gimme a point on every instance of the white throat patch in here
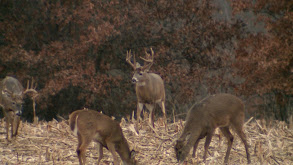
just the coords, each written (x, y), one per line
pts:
(140, 84)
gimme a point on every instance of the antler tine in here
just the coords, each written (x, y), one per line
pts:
(34, 84)
(149, 58)
(27, 84)
(134, 61)
(128, 59)
(30, 87)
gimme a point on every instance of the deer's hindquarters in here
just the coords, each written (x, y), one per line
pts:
(83, 140)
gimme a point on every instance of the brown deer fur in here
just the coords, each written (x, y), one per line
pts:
(90, 125)
(149, 87)
(220, 110)
(11, 100)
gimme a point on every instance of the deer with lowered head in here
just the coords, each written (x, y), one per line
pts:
(149, 87)
(217, 111)
(90, 125)
(11, 100)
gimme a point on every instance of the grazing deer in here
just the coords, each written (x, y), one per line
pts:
(149, 86)
(220, 110)
(11, 100)
(90, 125)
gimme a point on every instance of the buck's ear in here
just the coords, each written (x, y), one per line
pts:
(7, 93)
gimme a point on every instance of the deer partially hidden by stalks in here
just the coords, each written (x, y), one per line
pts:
(11, 100)
(149, 87)
(89, 125)
(220, 110)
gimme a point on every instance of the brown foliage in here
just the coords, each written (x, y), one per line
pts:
(201, 47)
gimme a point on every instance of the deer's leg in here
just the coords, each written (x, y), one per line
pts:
(15, 125)
(100, 152)
(83, 143)
(195, 146)
(238, 127)
(150, 107)
(229, 136)
(162, 106)
(78, 148)
(11, 129)
(240, 133)
(139, 109)
(207, 144)
(111, 147)
(9, 117)
(7, 128)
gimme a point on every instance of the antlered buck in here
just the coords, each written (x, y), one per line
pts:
(11, 100)
(90, 125)
(220, 110)
(149, 87)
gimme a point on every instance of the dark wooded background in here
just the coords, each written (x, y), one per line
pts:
(75, 51)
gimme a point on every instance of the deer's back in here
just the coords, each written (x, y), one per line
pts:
(96, 124)
(218, 110)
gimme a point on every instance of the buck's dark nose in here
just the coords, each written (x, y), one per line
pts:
(134, 80)
(19, 111)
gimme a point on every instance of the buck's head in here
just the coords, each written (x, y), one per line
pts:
(12, 101)
(12, 93)
(140, 76)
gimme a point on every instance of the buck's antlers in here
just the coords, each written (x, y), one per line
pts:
(128, 59)
(31, 87)
(149, 58)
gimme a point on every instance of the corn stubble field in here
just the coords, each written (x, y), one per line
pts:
(53, 143)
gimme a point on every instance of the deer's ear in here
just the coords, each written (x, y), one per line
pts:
(6, 92)
(132, 154)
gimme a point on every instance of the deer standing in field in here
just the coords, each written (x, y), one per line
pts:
(149, 87)
(89, 125)
(11, 100)
(220, 110)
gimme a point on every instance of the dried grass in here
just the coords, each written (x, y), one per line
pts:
(53, 143)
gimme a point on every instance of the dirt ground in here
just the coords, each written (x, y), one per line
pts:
(53, 143)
